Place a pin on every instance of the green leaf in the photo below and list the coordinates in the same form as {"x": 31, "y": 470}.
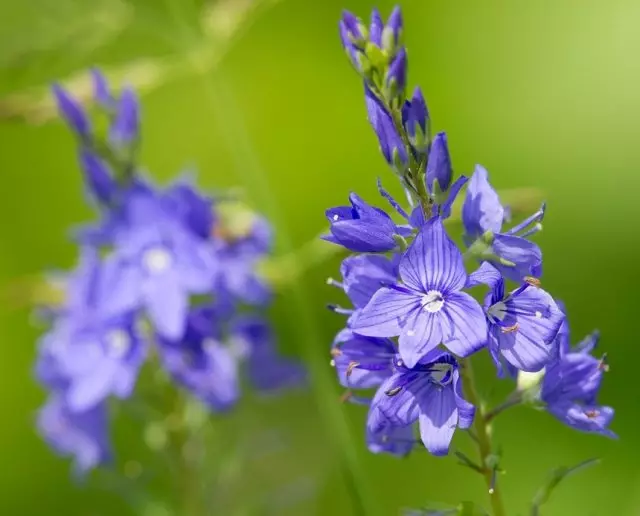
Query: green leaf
{"x": 557, "y": 476}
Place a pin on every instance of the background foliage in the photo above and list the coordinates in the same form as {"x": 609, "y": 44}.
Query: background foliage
{"x": 261, "y": 96}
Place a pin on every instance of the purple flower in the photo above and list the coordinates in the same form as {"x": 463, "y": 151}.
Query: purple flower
{"x": 430, "y": 393}
{"x": 361, "y": 227}
{"x": 268, "y": 371}
{"x": 158, "y": 259}
{"x": 238, "y": 257}
{"x": 439, "y": 175}
{"x": 364, "y": 274}
{"x": 483, "y": 215}
{"x": 125, "y": 128}
{"x": 101, "y": 93}
{"x": 571, "y": 383}
{"x": 201, "y": 363}
{"x": 392, "y": 32}
{"x": 522, "y": 325}
{"x": 362, "y": 362}
{"x": 72, "y": 112}
{"x": 97, "y": 176}
{"x": 81, "y": 435}
{"x": 394, "y": 440}
{"x": 353, "y": 35}
{"x": 375, "y": 28}
{"x": 439, "y": 169}
{"x": 396, "y": 78}
{"x": 415, "y": 118}
{"x": 88, "y": 353}
{"x": 569, "y": 389}
{"x": 428, "y": 308}
{"x": 391, "y": 145}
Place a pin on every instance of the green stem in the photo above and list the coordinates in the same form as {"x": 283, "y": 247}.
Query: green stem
{"x": 188, "y": 488}
{"x": 483, "y": 439}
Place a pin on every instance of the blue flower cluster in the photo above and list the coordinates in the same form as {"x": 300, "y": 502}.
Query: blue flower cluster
{"x": 409, "y": 280}
{"x": 165, "y": 274}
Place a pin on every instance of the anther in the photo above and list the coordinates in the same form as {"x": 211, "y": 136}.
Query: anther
{"x": 602, "y": 365}
{"x": 394, "y": 391}
{"x": 351, "y": 367}
{"x": 336, "y": 352}
{"x": 535, "y": 282}
{"x": 510, "y": 329}
{"x": 591, "y": 414}
{"x": 346, "y": 396}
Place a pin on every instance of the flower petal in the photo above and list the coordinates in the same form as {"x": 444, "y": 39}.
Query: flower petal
{"x": 421, "y": 333}
{"x": 537, "y": 320}
{"x": 432, "y": 261}
{"x": 482, "y": 210}
{"x": 525, "y": 255}
{"x": 468, "y": 324}
{"x": 396, "y": 401}
{"x": 384, "y": 314}
{"x": 438, "y": 418}
{"x": 89, "y": 390}
{"x": 167, "y": 304}
{"x": 486, "y": 274}
{"x": 466, "y": 411}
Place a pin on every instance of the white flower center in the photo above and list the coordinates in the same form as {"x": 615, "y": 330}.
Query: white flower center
{"x": 442, "y": 374}
{"x": 156, "y": 260}
{"x": 538, "y": 315}
{"x": 432, "y": 301}
{"x": 118, "y": 343}
{"x": 497, "y": 311}
{"x": 238, "y": 347}
{"x": 336, "y": 217}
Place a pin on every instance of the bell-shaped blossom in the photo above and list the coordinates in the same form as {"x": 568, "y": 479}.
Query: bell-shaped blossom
{"x": 570, "y": 386}
{"x": 483, "y": 216}
{"x": 201, "y": 363}
{"x": 361, "y": 227}
{"x": 391, "y": 145}
{"x": 80, "y": 435}
{"x": 428, "y": 308}
{"x": 362, "y": 362}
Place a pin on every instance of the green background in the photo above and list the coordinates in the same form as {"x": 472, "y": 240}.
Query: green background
{"x": 542, "y": 93}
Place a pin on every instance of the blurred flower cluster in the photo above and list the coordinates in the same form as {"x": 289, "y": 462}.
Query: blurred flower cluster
{"x": 166, "y": 276}
{"x": 408, "y": 280}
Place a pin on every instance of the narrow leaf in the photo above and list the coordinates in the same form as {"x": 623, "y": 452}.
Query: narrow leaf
{"x": 557, "y": 476}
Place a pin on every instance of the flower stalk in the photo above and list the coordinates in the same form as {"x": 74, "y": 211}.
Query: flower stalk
{"x": 483, "y": 437}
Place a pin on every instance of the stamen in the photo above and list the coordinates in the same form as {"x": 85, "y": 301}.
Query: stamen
{"x": 602, "y": 365}
{"x": 351, "y": 367}
{"x": 336, "y": 352}
{"x": 346, "y": 396}
{"x": 535, "y": 229}
{"x": 535, "y": 282}
{"x": 510, "y": 329}
{"x": 334, "y": 283}
{"x": 339, "y": 310}
{"x": 592, "y": 414}
{"x": 394, "y": 391}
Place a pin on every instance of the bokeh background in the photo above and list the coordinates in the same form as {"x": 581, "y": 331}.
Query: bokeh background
{"x": 259, "y": 95}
